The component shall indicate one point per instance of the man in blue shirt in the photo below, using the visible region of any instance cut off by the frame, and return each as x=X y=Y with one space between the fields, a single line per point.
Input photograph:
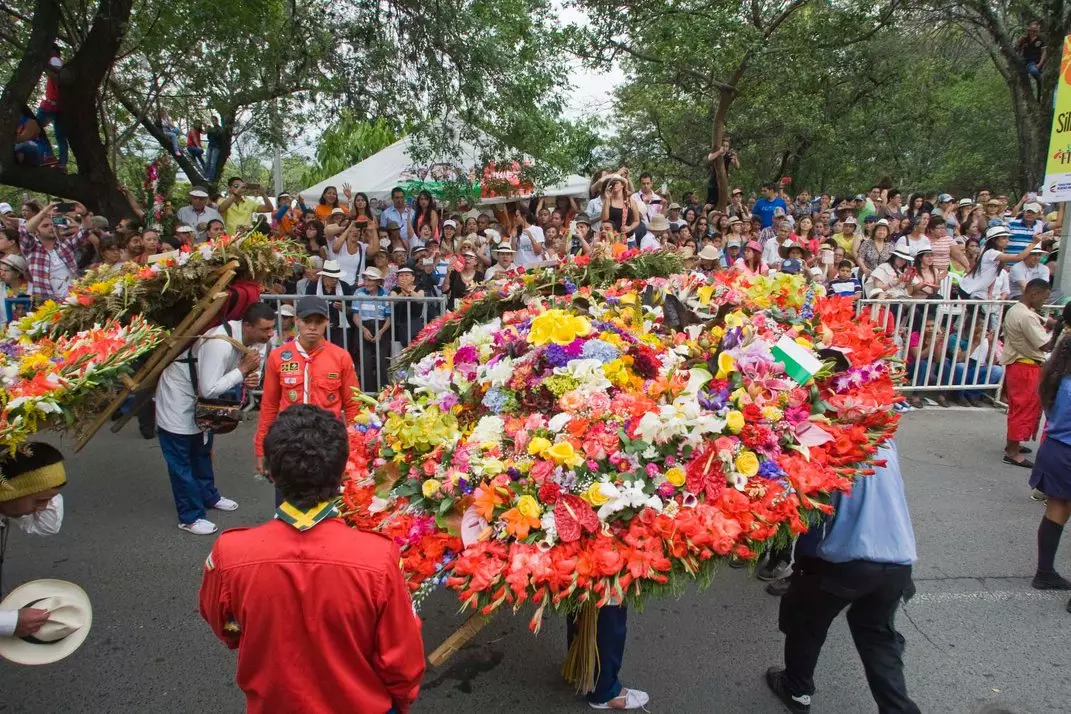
x=401 y=214
x=861 y=560
x=765 y=206
x=1025 y=228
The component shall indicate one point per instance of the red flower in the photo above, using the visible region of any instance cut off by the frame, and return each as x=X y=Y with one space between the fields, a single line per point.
x=549 y=492
x=572 y=515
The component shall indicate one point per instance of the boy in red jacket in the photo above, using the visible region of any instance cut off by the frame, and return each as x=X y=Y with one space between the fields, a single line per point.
x=305 y=593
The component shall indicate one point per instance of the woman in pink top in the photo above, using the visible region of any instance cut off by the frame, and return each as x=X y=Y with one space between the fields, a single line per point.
x=751 y=262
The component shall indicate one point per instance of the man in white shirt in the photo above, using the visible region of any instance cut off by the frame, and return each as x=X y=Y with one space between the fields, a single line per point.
x=30 y=500
x=656 y=229
x=400 y=214
x=219 y=366
x=1030 y=268
x=504 y=264
x=771 y=251
x=647 y=198
x=198 y=213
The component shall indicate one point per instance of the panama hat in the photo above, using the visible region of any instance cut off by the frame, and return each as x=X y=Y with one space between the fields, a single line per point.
x=331 y=269
x=68 y=624
x=371 y=273
x=709 y=252
x=658 y=224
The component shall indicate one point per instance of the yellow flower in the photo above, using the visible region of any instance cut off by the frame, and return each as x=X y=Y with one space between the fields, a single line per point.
x=675 y=476
x=735 y=421
x=704 y=293
x=430 y=488
x=772 y=414
x=594 y=496
x=564 y=453
x=493 y=467
x=538 y=445
x=804 y=342
x=726 y=365
x=559 y=327
x=747 y=463
x=529 y=507
x=617 y=371
x=734 y=319
x=613 y=338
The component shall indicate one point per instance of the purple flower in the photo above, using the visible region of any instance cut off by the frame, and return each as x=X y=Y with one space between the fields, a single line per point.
x=666 y=489
x=770 y=470
x=513 y=473
x=466 y=355
x=448 y=401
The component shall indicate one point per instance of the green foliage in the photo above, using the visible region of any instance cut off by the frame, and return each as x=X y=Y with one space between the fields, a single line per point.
x=345 y=143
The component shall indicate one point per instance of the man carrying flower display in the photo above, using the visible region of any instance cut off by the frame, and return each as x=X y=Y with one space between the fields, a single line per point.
x=860 y=561
x=318 y=611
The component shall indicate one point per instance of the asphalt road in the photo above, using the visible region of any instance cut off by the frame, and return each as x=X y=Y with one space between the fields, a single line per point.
x=977 y=634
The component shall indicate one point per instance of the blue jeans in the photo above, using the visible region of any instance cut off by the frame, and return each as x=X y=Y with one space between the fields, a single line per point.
x=210 y=161
x=189 y=465
x=972 y=372
x=1033 y=71
x=44 y=116
x=198 y=155
x=923 y=378
x=610 y=640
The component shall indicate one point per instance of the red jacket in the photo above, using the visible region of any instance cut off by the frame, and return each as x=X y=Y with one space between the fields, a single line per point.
x=321 y=618
x=325 y=378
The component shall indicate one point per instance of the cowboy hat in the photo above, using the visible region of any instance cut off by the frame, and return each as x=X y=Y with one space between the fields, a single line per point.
x=788 y=245
x=658 y=224
x=331 y=269
x=69 y=620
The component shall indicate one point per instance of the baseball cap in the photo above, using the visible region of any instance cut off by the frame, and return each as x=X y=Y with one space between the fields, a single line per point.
x=778 y=212
x=311 y=305
x=963 y=202
x=583 y=218
x=851 y=219
x=1033 y=208
x=860 y=197
x=450 y=222
x=183 y=229
x=404 y=270
x=673 y=206
x=199 y=192
x=287 y=311
x=945 y=198
x=5 y=208
x=98 y=222
x=336 y=211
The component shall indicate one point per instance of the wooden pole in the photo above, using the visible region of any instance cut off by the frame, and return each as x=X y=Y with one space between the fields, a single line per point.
x=199 y=316
x=459 y=639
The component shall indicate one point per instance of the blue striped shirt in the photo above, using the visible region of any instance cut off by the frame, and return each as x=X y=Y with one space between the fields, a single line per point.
x=1022 y=234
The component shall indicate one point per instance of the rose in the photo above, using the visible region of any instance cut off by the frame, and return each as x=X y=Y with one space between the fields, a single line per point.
x=538 y=445
x=430 y=488
x=595 y=496
x=675 y=476
x=734 y=420
x=571 y=401
x=529 y=507
x=564 y=453
x=747 y=463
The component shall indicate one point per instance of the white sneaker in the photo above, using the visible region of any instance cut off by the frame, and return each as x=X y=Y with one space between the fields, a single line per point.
x=199 y=527
x=225 y=504
x=634 y=699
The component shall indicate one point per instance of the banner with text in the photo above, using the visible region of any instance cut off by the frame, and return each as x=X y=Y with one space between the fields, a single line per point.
x=1057 y=186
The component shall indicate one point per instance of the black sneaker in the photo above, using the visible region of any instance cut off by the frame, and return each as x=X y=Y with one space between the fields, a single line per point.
x=147 y=431
x=1050 y=581
x=778 y=587
x=775 y=680
x=773 y=570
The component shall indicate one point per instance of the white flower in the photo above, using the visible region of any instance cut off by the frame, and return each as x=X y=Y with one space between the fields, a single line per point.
x=184 y=258
x=558 y=422
x=378 y=504
x=482 y=334
x=588 y=372
x=631 y=495
x=496 y=375
x=118 y=288
x=71 y=299
x=650 y=453
x=549 y=526
x=205 y=250
x=428 y=378
x=739 y=481
x=671 y=508
x=489 y=430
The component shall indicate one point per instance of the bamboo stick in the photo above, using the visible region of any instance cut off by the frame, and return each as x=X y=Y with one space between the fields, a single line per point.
x=193 y=323
x=459 y=639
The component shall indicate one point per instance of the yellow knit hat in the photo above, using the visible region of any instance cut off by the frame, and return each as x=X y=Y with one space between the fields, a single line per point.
x=31 y=482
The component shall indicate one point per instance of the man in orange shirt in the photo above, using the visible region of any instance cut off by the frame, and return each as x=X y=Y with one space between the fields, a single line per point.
x=307 y=370
x=318 y=611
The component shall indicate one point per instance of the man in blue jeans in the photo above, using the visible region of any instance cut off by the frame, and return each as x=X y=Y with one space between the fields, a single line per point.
x=610 y=636
x=225 y=357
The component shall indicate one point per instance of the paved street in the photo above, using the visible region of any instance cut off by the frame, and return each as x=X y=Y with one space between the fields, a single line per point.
x=977 y=634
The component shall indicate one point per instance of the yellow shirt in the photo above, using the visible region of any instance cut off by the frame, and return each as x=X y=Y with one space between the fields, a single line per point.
x=240 y=213
x=1023 y=335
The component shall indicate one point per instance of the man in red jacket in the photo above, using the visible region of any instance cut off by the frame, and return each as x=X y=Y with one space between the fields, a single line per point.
x=307 y=370
x=318 y=611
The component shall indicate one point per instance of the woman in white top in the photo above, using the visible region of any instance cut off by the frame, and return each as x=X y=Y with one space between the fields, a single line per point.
x=890 y=279
x=980 y=282
x=351 y=253
x=527 y=239
x=915 y=239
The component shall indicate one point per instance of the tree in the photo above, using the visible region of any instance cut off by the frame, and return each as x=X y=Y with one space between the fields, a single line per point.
x=346 y=143
x=996 y=25
x=271 y=68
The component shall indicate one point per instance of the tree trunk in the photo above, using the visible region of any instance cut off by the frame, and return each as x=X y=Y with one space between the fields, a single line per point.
x=725 y=100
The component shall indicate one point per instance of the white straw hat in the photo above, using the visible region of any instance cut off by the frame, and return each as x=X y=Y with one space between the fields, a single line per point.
x=68 y=624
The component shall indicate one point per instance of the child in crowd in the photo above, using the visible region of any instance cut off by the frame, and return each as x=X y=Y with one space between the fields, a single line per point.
x=845 y=284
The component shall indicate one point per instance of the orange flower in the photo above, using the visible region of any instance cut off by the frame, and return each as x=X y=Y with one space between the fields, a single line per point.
x=518 y=524
x=486 y=500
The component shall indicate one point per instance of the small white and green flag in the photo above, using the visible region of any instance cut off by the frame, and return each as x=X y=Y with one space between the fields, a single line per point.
x=800 y=363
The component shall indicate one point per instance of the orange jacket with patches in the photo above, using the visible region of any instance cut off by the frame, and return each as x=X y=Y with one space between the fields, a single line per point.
x=326 y=378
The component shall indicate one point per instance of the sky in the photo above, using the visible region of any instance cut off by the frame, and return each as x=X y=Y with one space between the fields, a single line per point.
x=592 y=90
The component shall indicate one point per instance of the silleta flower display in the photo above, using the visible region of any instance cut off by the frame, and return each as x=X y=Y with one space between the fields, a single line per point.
x=605 y=442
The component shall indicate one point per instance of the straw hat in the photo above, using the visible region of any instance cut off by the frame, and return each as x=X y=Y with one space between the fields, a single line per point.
x=331 y=269
x=658 y=224
x=788 y=245
x=70 y=618
x=709 y=252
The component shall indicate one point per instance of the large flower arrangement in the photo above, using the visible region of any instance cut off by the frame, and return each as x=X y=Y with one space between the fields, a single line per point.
x=162 y=291
x=590 y=447
x=53 y=383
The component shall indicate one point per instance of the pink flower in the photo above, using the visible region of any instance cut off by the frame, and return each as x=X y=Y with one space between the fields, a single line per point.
x=541 y=470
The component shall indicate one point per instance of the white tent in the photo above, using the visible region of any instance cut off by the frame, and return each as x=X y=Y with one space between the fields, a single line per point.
x=378 y=174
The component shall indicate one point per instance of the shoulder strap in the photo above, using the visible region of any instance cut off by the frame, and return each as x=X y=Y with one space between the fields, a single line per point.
x=191 y=361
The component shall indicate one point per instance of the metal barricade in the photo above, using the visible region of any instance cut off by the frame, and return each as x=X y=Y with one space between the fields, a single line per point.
x=947 y=346
x=372 y=328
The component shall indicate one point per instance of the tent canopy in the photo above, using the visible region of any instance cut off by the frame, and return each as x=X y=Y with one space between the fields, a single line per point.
x=393 y=166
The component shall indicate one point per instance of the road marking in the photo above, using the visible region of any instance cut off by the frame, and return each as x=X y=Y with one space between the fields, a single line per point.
x=987 y=596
